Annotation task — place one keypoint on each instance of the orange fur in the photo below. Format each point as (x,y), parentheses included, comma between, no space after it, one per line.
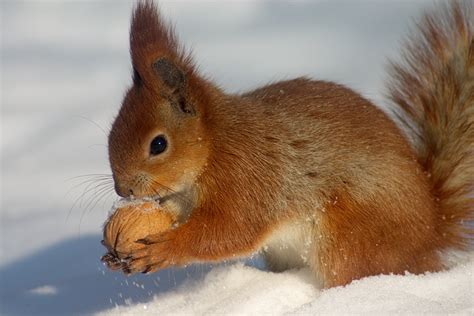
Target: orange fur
(433,92)
(306,166)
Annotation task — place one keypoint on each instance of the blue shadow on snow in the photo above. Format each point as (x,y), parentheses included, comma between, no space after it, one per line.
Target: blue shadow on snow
(68,277)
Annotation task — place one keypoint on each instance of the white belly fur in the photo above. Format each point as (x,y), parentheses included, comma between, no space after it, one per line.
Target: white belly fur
(289,246)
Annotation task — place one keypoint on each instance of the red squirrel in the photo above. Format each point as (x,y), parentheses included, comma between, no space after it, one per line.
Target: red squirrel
(307,172)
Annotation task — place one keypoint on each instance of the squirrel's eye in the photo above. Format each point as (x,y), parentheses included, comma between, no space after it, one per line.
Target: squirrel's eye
(158,145)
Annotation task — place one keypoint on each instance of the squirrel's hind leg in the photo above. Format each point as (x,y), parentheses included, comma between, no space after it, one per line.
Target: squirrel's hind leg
(359,239)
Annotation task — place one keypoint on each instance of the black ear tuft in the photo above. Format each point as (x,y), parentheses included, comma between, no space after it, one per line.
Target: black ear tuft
(170,74)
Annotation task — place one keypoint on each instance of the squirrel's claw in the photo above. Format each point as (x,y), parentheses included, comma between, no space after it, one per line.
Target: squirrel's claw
(111,261)
(157,254)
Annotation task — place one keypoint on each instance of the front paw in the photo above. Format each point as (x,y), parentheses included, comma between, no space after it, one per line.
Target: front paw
(158,252)
(111,261)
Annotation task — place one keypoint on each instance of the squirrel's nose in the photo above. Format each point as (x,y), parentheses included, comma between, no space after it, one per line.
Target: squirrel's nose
(135,185)
(122,191)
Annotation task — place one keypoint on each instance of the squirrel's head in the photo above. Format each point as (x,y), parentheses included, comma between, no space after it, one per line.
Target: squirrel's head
(158,142)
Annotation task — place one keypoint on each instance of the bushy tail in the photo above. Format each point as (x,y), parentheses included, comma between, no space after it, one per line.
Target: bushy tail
(433,96)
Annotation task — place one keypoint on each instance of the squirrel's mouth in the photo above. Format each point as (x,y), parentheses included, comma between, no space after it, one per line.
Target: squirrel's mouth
(155,198)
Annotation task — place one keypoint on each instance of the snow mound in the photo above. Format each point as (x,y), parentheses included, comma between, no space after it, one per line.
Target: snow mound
(239,289)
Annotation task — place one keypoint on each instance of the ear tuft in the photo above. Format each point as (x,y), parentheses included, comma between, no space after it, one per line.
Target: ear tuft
(161,64)
(152,39)
(148,30)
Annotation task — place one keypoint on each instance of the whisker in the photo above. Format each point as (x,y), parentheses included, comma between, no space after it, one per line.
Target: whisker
(88,181)
(97,195)
(103,197)
(106,175)
(88,189)
(176,194)
(91,189)
(94,123)
(108,196)
(93,202)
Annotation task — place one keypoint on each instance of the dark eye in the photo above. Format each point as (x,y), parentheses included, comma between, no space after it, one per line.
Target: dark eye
(158,145)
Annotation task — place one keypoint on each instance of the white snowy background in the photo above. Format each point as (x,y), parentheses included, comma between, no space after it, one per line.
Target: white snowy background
(64,69)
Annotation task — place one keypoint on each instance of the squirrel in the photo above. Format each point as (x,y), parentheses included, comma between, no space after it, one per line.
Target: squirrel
(307,172)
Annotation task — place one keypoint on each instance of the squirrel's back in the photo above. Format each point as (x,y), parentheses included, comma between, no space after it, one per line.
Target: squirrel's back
(321,132)
(338,153)
(325,164)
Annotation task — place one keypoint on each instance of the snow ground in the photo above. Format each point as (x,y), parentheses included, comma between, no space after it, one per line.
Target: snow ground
(64,68)
(240,289)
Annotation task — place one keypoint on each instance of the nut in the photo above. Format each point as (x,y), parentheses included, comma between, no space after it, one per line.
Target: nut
(132,222)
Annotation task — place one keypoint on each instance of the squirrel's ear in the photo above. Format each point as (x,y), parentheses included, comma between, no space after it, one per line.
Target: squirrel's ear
(151,37)
(158,60)
(169,74)
(174,84)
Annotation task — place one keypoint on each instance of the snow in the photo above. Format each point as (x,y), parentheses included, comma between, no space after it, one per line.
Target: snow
(64,69)
(45,290)
(239,289)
